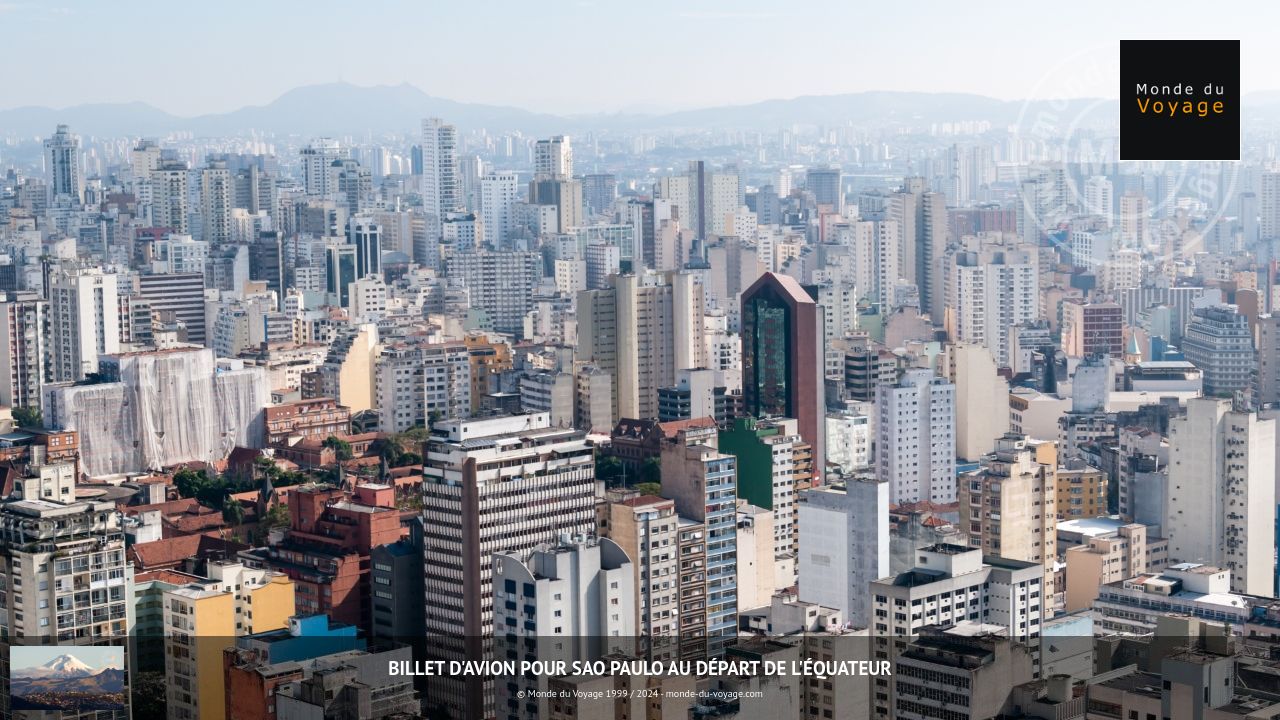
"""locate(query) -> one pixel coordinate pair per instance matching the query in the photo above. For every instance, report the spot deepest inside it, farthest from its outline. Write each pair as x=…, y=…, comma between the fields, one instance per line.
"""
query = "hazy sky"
x=576, y=56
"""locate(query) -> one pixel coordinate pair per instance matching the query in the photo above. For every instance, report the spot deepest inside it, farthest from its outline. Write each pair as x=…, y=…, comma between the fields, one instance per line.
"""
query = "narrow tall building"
x=24, y=366
x=1221, y=499
x=916, y=449
x=844, y=545
x=782, y=358
x=62, y=161
x=440, y=193
x=84, y=321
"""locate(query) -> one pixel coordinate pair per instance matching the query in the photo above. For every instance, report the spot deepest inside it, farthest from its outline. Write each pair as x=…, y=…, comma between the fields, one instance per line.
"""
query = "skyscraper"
x=366, y=236
x=782, y=357
x=1219, y=342
x=24, y=318
x=501, y=484
x=217, y=196
x=62, y=160
x=84, y=321
x=169, y=202
x=439, y=173
x=824, y=183
x=922, y=230
x=916, y=450
x=642, y=330
x=1221, y=506
x=553, y=158
x=498, y=195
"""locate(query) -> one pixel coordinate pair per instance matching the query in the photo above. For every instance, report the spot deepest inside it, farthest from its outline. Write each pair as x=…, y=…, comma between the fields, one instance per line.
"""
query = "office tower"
x=553, y=158
x=1221, y=506
x=62, y=162
x=366, y=236
x=166, y=407
x=916, y=451
x=500, y=284
x=702, y=482
x=642, y=330
x=982, y=406
x=340, y=272
x=1099, y=198
x=582, y=589
x=921, y=219
x=317, y=160
x=844, y=545
x=170, y=205
x=176, y=297
x=1266, y=388
x=950, y=584
x=267, y=263
x=824, y=184
x=202, y=616
x=439, y=174
x=562, y=194
x=24, y=349
x=499, y=193
x=217, y=196
x=782, y=357
x=1008, y=506
x=417, y=384
x=993, y=287
x=1218, y=340
x=84, y=321
x=352, y=185
x=599, y=191
x=1092, y=328
x=499, y=484
x=602, y=261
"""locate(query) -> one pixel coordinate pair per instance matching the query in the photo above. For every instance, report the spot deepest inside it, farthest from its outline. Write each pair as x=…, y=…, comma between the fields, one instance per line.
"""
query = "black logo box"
x=1187, y=68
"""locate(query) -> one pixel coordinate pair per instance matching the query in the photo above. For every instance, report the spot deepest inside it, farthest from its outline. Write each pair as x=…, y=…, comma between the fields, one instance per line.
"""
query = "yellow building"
x=1082, y=493
x=203, y=618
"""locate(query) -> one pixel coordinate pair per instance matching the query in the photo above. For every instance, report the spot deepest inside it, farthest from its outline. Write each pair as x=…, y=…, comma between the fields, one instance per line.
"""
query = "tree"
x=30, y=417
x=232, y=511
x=651, y=471
x=341, y=448
x=277, y=516
x=648, y=488
x=609, y=469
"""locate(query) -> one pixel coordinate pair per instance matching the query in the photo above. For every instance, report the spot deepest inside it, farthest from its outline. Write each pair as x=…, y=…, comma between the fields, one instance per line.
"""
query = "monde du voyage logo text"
x=1179, y=99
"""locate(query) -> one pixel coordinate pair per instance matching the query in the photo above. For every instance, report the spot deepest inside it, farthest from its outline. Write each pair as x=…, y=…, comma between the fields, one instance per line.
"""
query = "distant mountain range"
x=345, y=109
x=66, y=674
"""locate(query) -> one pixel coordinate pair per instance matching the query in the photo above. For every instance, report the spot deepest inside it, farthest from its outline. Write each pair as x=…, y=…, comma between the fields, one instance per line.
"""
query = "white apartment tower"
x=993, y=287
x=24, y=365
x=499, y=192
x=84, y=321
x=1220, y=506
x=844, y=545
x=439, y=173
x=916, y=452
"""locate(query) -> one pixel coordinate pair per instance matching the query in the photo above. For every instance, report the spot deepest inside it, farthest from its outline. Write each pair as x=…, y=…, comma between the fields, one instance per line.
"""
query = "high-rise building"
x=783, y=356
x=1099, y=198
x=417, y=384
x=499, y=283
x=177, y=297
x=1269, y=207
x=993, y=287
x=440, y=192
x=340, y=273
x=1008, y=506
x=1221, y=506
x=1266, y=388
x=599, y=191
x=62, y=162
x=844, y=545
x=170, y=204
x=921, y=219
x=317, y=160
x=1218, y=340
x=553, y=158
x=1092, y=328
x=982, y=406
x=916, y=450
x=702, y=482
x=1111, y=557
x=217, y=197
x=84, y=321
x=24, y=341
x=499, y=193
x=824, y=184
x=642, y=330
x=583, y=589
x=773, y=461
x=500, y=484
x=366, y=236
